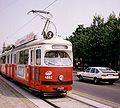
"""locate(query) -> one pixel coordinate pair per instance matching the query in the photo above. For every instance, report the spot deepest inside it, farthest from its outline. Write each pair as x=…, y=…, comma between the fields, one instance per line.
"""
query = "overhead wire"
x=32, y=19
x=24, y=25
x=50, y=4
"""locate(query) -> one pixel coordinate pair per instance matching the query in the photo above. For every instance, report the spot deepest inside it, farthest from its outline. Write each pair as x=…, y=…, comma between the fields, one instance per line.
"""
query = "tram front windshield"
x=57, y=58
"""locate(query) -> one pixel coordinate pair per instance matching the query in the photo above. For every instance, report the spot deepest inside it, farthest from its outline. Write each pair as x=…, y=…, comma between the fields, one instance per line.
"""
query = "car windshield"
x=57, y=58
x=107, y=70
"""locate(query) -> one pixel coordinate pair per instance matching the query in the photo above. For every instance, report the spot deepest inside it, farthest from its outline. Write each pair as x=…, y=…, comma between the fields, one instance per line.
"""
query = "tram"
x=44, y=64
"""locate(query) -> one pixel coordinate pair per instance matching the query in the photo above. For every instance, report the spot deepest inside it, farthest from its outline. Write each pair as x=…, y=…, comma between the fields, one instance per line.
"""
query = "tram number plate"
x=60, y=89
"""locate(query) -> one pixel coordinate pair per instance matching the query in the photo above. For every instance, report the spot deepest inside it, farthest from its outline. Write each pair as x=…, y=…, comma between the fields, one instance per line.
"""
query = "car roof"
x=99, y=67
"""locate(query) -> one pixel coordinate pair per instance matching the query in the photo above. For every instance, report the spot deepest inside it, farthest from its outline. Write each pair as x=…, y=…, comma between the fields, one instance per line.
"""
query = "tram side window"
x=32, y=57
x=3, y=59
x=8, y=59
x=0, y=59
x=11, y=59
x=26, y=56
x=23, y=56
x=38, y=57
x=15, y=59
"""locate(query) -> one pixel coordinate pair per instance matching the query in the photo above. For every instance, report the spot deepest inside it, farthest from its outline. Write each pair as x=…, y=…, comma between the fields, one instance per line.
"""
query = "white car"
x=98, y=74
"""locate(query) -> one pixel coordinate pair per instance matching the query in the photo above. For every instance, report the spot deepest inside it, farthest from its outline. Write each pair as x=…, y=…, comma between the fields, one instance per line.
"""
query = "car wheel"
x=96, y=81
x=80, y=78
x=111, y=82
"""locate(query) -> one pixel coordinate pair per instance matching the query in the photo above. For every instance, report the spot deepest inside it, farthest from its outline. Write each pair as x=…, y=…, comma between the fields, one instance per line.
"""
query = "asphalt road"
x=103, y=90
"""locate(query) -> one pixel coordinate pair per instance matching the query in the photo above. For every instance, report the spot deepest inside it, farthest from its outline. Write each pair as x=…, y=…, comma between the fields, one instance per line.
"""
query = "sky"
x=67, y=15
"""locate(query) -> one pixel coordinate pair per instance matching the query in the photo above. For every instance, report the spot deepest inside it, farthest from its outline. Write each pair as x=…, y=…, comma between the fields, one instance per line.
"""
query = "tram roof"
x=55, y=40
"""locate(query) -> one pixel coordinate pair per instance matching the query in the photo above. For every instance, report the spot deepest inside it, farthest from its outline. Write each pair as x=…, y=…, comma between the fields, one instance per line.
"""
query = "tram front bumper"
x=60, y=89
x=52, y=88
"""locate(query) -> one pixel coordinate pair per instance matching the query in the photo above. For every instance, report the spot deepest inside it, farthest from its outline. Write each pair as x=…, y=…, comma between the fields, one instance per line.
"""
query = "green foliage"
x=98, y=44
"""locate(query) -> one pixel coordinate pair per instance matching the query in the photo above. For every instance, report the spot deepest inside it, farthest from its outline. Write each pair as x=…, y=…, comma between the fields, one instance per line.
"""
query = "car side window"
x=92, y=70
x=97, y=71
x=87, y=70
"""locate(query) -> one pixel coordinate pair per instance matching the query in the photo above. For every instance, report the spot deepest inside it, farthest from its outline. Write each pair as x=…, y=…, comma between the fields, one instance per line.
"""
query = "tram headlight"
x=61, y=77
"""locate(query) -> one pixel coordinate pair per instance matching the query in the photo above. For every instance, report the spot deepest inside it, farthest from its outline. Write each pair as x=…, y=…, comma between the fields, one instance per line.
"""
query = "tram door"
x=37, y=67
x=32, y=63
x=35, y=61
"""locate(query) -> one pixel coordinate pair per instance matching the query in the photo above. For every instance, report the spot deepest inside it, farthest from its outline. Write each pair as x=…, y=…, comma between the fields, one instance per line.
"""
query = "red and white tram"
x=41, y=64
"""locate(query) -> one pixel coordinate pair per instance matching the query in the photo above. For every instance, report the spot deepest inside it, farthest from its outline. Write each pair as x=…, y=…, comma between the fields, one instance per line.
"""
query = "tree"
x=98, y=44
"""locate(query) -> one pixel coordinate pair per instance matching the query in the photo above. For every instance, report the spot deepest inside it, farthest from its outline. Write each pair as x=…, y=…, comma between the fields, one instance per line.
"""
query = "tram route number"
x=48, y=77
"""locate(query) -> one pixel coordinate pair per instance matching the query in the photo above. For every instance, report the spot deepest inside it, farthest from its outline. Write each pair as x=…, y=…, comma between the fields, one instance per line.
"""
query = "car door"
x=85, y=74
x=92, y=73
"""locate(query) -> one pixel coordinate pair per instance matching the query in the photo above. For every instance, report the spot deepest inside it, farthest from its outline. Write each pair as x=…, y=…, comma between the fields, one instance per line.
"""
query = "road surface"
x=103, y=92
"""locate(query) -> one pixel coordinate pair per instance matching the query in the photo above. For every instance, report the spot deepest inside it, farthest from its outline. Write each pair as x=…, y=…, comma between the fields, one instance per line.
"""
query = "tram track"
x=53, y=101
x=59, y=100
x=68, y=102
x=75, y=101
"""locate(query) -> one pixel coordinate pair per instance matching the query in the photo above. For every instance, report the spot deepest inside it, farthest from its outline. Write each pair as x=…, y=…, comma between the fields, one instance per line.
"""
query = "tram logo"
x=48, y=75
